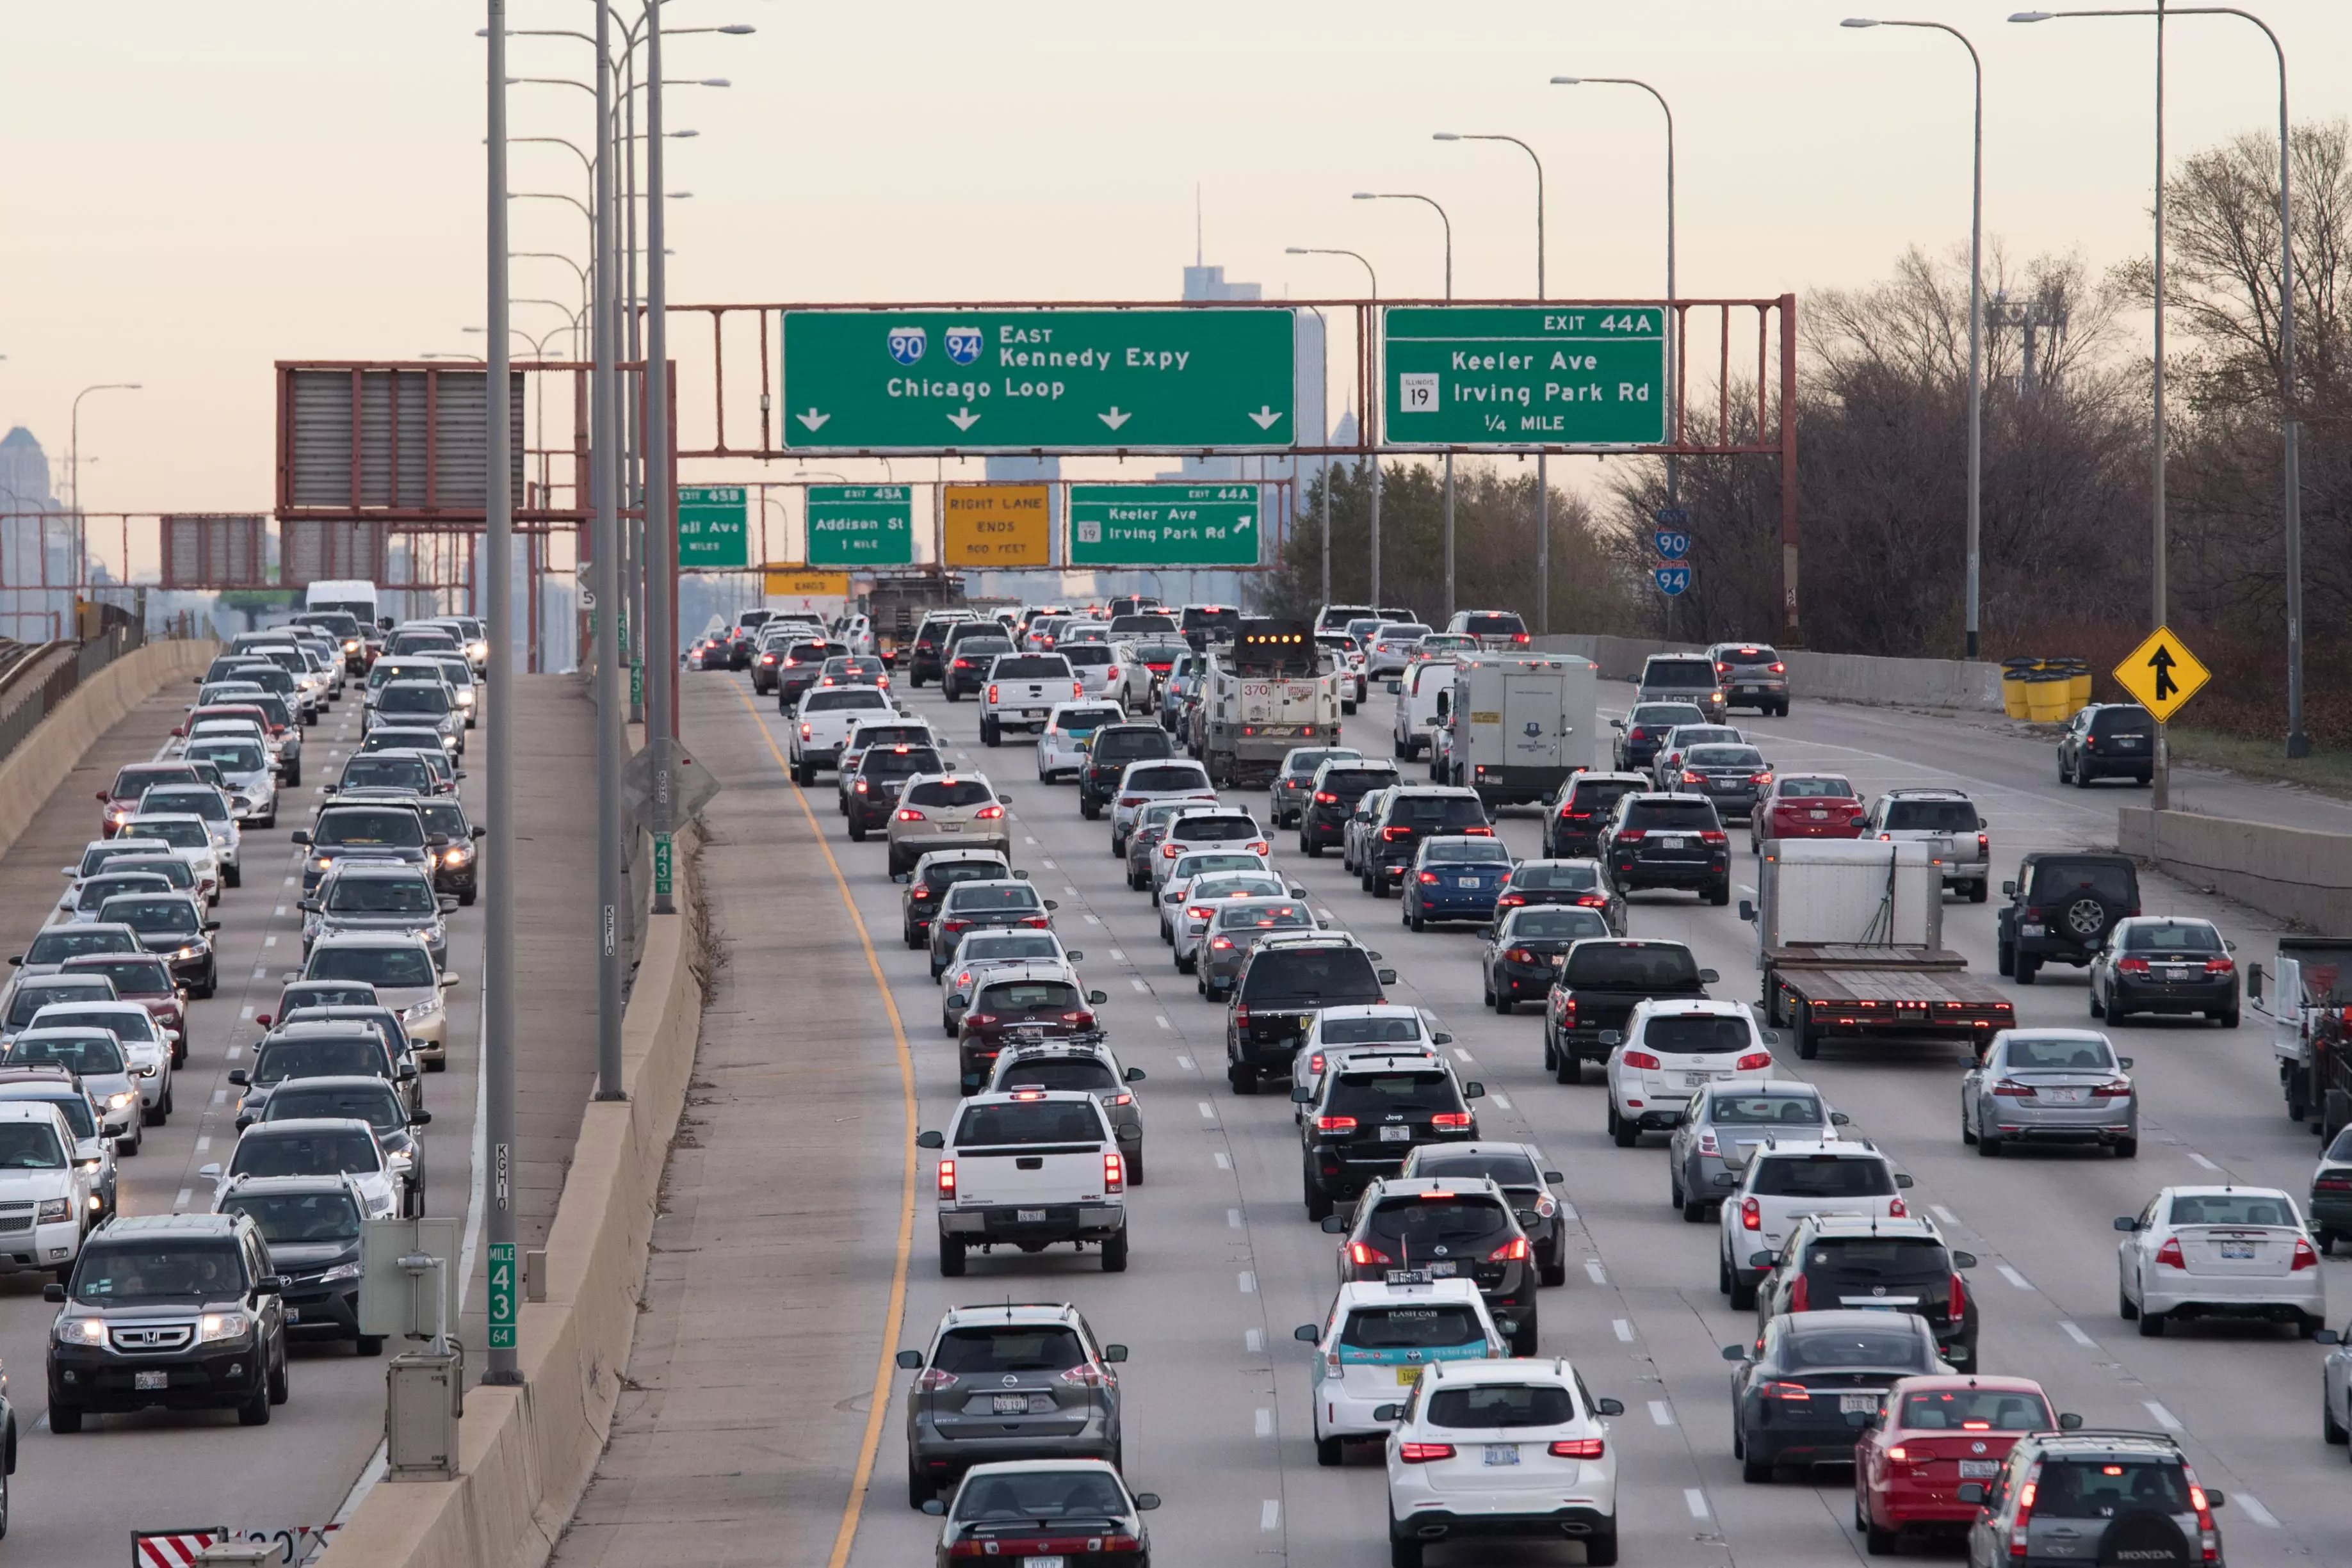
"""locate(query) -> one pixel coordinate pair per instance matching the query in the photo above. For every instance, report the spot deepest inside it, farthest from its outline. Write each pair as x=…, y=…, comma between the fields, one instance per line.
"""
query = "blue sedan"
x=1455, y=878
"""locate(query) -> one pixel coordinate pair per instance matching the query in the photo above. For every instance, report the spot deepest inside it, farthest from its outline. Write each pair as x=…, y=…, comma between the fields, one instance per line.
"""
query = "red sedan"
x=1806, y=806
x=1932, y=1435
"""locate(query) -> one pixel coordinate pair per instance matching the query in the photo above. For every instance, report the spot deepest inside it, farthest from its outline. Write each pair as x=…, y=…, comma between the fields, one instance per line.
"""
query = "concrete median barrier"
x=2292, y=874
x=1818, y=677
x=57, y=743
x=526, y=1454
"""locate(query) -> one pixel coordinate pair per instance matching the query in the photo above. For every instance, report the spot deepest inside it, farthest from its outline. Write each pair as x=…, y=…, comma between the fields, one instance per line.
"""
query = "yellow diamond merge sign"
x=2162, y=674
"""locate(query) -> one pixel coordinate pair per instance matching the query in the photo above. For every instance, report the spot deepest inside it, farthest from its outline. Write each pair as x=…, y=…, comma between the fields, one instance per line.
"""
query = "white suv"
x=44, y=1185
x=1376, y=1340
x=1787, y=1179
x=1669, y=1050
x=1486, y=1450
x=1062, y=744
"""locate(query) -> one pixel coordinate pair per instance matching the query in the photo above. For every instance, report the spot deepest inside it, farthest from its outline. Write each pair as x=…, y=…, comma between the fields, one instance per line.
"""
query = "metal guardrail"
x=36, y=702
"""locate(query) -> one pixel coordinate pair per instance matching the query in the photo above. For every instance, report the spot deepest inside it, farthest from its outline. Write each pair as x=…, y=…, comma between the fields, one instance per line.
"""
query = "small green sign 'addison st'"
x=860, y=524
x=1518, y=376
x=1163, y=525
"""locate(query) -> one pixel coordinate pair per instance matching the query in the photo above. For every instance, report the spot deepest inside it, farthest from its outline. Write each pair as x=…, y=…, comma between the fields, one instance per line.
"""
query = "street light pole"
x=1543, y=479
x=1370, y=432
x=612, y=695
x=1413, y=197
x=1976, y=326
x=73, y=445
x=660, y=532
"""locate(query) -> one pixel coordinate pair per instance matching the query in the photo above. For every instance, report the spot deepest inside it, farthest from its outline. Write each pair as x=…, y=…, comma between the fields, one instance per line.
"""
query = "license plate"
x=1042, y=1563
x=293, y=1314
x=1406, y=1276
x=1978, y=1470
x=1466, y=882
x=1396, y=1135
x=1849, y=1404
x=1674, y=841
x=2064, y=1096
x=2241, y=1250
x=1408, y=1375
x=1502, y=1453
x=1012, y=1404
x=1819, y=816
x=2126, y=742
x=1029, y=1216
x=1444, y=1270
x=1558, y=959
x=145, y=1380
x=1695, y=1080
x=1033, y=713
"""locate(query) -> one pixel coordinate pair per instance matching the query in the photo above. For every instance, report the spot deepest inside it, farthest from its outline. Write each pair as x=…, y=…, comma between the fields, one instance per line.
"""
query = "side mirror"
x=238, y=1076
x=2327, y=1336
x=1474, y=1090
x=1759, y=1259
x=2007, y=890
x=1747, y=910
x=1394, y=1412
x=909, y=1360
x=447, y=905
x=2253, y=982
x=53, y=1292
x=481, y=832
x=449, y=982
x=1726, y=1179
x=903, y=877
x=1073, y=955
x=934, y=1506
x=1145, y=1502
x=1052, y=904
x=422, y=1118
x=1097, y=998
x=1616, y=723
x=2127, y=1222
x=1840, y=1119
x=1770, y=1036
x=1440, y=1037
x=1114, y=1353
x=1902, y=1180
x=270, y=1285
x=1334, y=1226
x=2070, y=1422
x=1178, y=898
x=310, y=906
x=1964, y=1259
x=2125, y=1063
x=212, y=925
x=1553, y=1177
x=1395, y=687
x=1004, y=799
x=1300, y=1094
x=1017, y=876
x=1611, y=1038
x=209, y=1172
x=1609, y=1406
x=300, y=835
x=1306, y=1333
x=931, y=1141
x=261, y=1018
x=1134, y=1076
x=2214, y=1498
x=1708, y=977
x=1735, y=1352
x=1973, y=1492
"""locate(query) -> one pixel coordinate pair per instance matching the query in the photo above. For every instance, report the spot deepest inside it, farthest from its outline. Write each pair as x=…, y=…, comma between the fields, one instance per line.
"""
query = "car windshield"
x=1435, y=813
x=1631, y=967
x=1668, y=673
x=1880, y=1257
x=380, y=896
x=1567, y=924
x=1976, y=1410
x=1497, y=623
x=1391, y=1029
x=1373, y=1095
x=1658, y=717
x=176, y=873
x=1091, y=655
x=1011, y=949
x=2172, y=939
x=379, y=1107
x=123, y=1023
x=171, y=916
x=72, y=1104
x=1434, y=1326
x=1040, y=1494
x=946, y=873
x=1030, y=667
x=32, y=998
x=311, y=1152
x=1931, y=817
x=1502, y=1405
x=58, y=943
x=350, y=1056
x=1672, y=817
x=309, y=995
x=1766, y=1111
x=1028, y=997
x=1698, y=1033
x=1571, y=878
x=385, y=772
x=1030, y=1122
x=99, y=889
x=2120, y=721
x=402, y=697
x=120, y=1273
x=2103, y=1489
x=1829, y=1348
x=1211, y=829
x=387, y=967
x=133, y=782
x=842, y=698
x=1022, y=1347
x=1746, y=757
x=1191, y=866
x=1822, y=1176
x=357, y=828
x=949, y=792
x=964, y=900
x=1081, y=720
x=1749, y=654
x=1351, y=783
x=1466, y=852
x=2075, y=1055
x=298, y=1218
x=1328, y=973
x=1816, y=789
x=1090, y=1073
x=1505, y=1170
x=1234, y=916
x=900, y=762
x=96, y=1051
x=228, y=755
x=1127, y=743
x=1151, y=780
x=180, y=835
x=2232, y=1208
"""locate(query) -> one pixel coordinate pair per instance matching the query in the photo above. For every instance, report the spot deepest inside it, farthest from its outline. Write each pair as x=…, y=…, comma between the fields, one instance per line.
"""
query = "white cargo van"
x=1519, y=724
x=355, y=597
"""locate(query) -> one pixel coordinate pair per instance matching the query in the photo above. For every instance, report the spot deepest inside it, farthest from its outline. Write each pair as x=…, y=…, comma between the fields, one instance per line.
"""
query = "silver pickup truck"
x=1030, y=1168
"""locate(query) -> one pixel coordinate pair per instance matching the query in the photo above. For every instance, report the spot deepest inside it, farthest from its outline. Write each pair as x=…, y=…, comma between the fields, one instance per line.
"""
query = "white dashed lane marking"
x=2164, y=1419
x=1248, y=1282
x=1696, y=1501
x=1269, y=1516
x=1624, y=1329
x=2077, y=1335
x=2014, y=1278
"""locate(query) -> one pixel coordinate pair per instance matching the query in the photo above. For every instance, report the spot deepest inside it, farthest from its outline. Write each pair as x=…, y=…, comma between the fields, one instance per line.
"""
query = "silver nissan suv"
x=1019, y=1381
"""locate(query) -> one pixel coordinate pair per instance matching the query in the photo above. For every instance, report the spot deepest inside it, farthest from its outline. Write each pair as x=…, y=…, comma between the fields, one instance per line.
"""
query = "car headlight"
x=430, y=1007
x=117, y=1102
x=340, y=1273
x=450, y=741
x=465, y=699
x=454, y=855
x=400, y=1160
x=146, y=1071
x=82, y=1331
x=213, y=1327
x=190, y=951
x=54, y=1209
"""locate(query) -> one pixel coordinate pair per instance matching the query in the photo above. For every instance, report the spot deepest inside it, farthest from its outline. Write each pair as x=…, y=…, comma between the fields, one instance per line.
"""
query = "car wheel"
x=1720, y=894
x=1241, y=1079
x=990, y=734
x=1404, y=1552
x=1566, y=1067
x=2025, y=968
x=919, y=1489
x=2004, y=958
x=2126, y=1308
x=64, y=1419
x=951, y=1256
x=1987, y=1144
x=1743, y=1292
x=278, y=1387
x=465, y=899
x=1414, y=919
x=1114, y=1254
x=1755, y=1471
x=2228, y=1019
x=1623, y=1133
x=1600, y=1548
x=1186, y=966
x=1319, y=1203
x=2331, y=1430
x=1328, y=1452
x=1877, y=1542
x=1982, y=889
x=2151, y=1325
x=856, y=831
x=1523, y=1337
x=255, y=1411
x=2098, y=1009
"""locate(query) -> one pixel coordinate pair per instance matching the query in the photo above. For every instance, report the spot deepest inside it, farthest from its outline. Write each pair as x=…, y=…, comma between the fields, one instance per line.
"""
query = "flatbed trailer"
x=1820, y=989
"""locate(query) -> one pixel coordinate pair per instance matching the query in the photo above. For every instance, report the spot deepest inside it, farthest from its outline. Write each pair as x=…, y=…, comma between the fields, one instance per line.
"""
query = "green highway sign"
x=860, y=524
x=503, y=1293
x=1524, y=376
x=711, y=530
x=976, y=380
x=1163, y=525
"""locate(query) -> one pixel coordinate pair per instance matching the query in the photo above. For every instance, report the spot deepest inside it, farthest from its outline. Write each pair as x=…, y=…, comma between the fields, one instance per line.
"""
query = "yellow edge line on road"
x=847, y=1536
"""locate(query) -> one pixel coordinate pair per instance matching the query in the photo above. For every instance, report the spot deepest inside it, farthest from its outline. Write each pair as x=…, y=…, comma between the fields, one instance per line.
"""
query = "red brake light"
x=806, y=729
x=1478, y=832
x=1755, y=1061
x=987, y=813
x=1897, y=1209
x=2305, y=1257
x=1114, y=1171
x=909, y=814
x=1430, y=878
x=1959, y=1306
x=1515, y=1251
x=1641, y=1059
x=1690, y=777
x=992, y=691
x=1421, y=1453
x=1362, y=1254
x=1325, y=798
x=1751, y=1215
x=2220, y=965
x=1800, y=1295
x=1335, y=1125
x=1787, y=1390
x=947, y=1178
x=932, y=1376
x=2009, y=1088
x=2132, y=965
x=1713, y=836
x=1391, y=835
x=1456, y=1119
x=1577, y=1447
x=1519, y=956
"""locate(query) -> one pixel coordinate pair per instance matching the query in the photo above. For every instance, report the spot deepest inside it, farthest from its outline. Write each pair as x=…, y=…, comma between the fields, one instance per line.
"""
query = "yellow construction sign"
x=995, y=525
x=785, y=580
x=2162, y=674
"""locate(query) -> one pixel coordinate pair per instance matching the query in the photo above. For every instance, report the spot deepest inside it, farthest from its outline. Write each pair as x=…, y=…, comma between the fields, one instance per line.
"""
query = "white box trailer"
x=1849, y=891
x=1521, y=723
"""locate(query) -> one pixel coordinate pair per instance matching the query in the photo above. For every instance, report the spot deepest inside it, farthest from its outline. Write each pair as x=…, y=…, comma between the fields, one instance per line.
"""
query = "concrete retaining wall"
x=60, y=741
x=1818, y=677
x=2290, y=873
x=527, y=1453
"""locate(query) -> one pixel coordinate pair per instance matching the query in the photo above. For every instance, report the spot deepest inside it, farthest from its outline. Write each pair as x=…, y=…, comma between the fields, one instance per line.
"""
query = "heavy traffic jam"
x=1748, y=951
x=226, y=1283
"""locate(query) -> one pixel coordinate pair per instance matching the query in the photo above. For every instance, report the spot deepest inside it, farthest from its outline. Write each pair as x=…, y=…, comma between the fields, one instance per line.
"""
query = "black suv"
x=1573, y=821
x=966, y=658
x=2061, y=908
x=2107, y=740
x=1668, y=841
x=1109, y=751
x=176, y=1310
x=1856, y=1260
x=925, y=659
x=311, y=1227
x=1339, y=785
x=882, y=771
x=1446, y=1228
x=1645, y=728
x=1409, y=816
x=1284, y=982
x=1367, y=1111
x=929, y=883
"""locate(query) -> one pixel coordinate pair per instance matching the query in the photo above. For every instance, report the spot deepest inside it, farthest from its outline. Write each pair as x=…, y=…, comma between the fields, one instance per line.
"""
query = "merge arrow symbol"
x=963, y=419
x=814, y=420
x=1265, y=416
x=2161, y=662
x=1114, y=418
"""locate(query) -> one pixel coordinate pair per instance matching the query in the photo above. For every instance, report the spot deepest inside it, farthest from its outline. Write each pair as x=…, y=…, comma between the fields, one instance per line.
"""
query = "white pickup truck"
x=822, y=722
x=1029, y=1169
x=1021, y=692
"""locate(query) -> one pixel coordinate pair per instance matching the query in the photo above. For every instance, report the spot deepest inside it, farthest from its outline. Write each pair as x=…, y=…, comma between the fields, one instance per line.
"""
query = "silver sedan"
x=2049, y=1085
x=1726, y=1123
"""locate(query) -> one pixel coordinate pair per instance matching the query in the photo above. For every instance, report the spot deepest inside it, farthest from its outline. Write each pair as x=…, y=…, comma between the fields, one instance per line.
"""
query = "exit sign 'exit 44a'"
x=1522, y=376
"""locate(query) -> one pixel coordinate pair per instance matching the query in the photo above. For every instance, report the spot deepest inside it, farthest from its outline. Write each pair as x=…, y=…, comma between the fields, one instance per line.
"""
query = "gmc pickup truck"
x=823, y=721
x=1021, y=693
x=1601, y=979
x=1030, y=1170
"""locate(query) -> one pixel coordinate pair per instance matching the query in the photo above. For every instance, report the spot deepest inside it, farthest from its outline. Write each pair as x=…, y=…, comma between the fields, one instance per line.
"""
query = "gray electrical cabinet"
x=392, y=1303
x=423, y=1398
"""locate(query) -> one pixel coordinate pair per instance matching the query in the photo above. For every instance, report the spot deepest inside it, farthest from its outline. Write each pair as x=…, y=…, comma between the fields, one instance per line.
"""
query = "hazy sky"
x=192, y=193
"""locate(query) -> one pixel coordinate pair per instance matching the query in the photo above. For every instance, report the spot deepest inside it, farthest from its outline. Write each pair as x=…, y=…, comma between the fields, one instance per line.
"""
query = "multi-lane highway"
x=1225, y=1264
x=76, y=1499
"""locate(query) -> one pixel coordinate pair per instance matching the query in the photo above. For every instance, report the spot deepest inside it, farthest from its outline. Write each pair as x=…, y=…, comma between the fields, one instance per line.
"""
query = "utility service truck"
x=1850, y=938
x=1269, y=690
x=1519, y=724
x=2310, y=990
